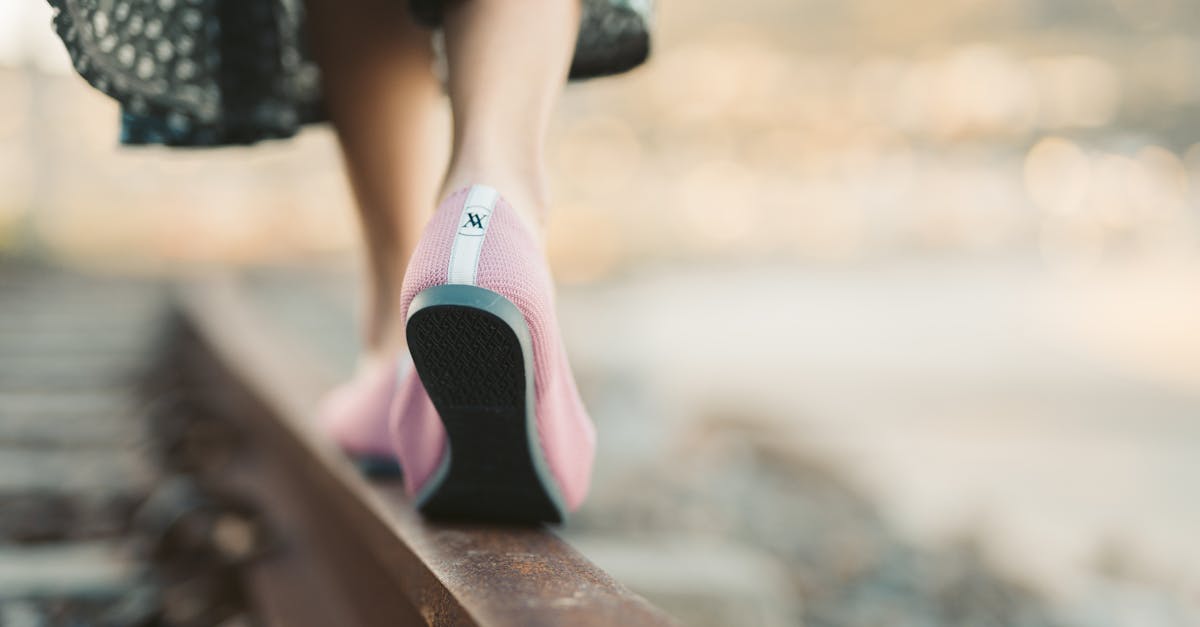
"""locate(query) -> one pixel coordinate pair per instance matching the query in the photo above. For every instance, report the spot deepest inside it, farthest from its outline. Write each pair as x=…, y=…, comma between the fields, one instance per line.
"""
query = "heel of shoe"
x=474, y=354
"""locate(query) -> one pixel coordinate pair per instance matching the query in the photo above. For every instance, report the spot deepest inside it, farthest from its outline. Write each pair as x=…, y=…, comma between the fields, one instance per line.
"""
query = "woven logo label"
x=474, y=221
x=472, y=226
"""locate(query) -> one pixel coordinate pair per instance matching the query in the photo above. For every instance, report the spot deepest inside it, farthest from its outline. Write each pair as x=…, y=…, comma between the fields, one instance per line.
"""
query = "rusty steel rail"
x=354, y=551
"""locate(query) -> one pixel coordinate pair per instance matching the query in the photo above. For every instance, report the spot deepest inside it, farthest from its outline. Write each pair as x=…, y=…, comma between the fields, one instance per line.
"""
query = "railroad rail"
x=158, y=467
x=352, y=551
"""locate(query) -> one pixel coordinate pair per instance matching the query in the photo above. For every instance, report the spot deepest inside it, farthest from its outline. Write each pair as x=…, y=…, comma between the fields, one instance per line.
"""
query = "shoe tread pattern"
x=473, y=368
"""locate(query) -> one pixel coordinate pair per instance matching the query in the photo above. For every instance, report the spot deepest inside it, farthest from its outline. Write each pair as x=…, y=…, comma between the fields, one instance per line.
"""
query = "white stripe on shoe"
x=468, y=241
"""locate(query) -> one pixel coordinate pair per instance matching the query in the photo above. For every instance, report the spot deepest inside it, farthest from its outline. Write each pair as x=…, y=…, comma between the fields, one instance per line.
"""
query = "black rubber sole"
x=473, y=352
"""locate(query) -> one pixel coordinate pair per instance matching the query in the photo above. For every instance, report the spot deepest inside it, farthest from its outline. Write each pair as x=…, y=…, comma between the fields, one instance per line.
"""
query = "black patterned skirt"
x=225, y=72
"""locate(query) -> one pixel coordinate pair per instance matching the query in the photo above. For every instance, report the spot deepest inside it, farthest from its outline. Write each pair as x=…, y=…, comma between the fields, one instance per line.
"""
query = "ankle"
x=524, y=188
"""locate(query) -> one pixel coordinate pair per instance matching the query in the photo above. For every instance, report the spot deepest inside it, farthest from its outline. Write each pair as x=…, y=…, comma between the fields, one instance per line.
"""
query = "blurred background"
x=886, y=311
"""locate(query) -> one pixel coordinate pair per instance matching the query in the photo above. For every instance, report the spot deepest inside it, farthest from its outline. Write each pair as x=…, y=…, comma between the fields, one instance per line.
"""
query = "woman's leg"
x=508, y=62
x=480, y=300
x=382, y=97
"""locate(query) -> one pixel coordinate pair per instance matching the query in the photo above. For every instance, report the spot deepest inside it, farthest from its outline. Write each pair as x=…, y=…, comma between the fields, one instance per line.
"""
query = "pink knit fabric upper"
x=512, y=264
x=355, y=414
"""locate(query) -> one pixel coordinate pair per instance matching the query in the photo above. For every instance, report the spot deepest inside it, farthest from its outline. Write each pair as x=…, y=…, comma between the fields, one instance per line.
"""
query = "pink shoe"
x=355, y=416
x=502, y=434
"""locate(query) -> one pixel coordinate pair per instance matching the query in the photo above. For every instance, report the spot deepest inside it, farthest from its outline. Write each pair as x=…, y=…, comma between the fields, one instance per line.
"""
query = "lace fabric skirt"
x=227, y=72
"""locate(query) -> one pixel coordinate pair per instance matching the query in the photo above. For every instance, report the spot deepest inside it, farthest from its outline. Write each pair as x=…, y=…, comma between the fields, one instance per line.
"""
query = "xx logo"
x=474, y=220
